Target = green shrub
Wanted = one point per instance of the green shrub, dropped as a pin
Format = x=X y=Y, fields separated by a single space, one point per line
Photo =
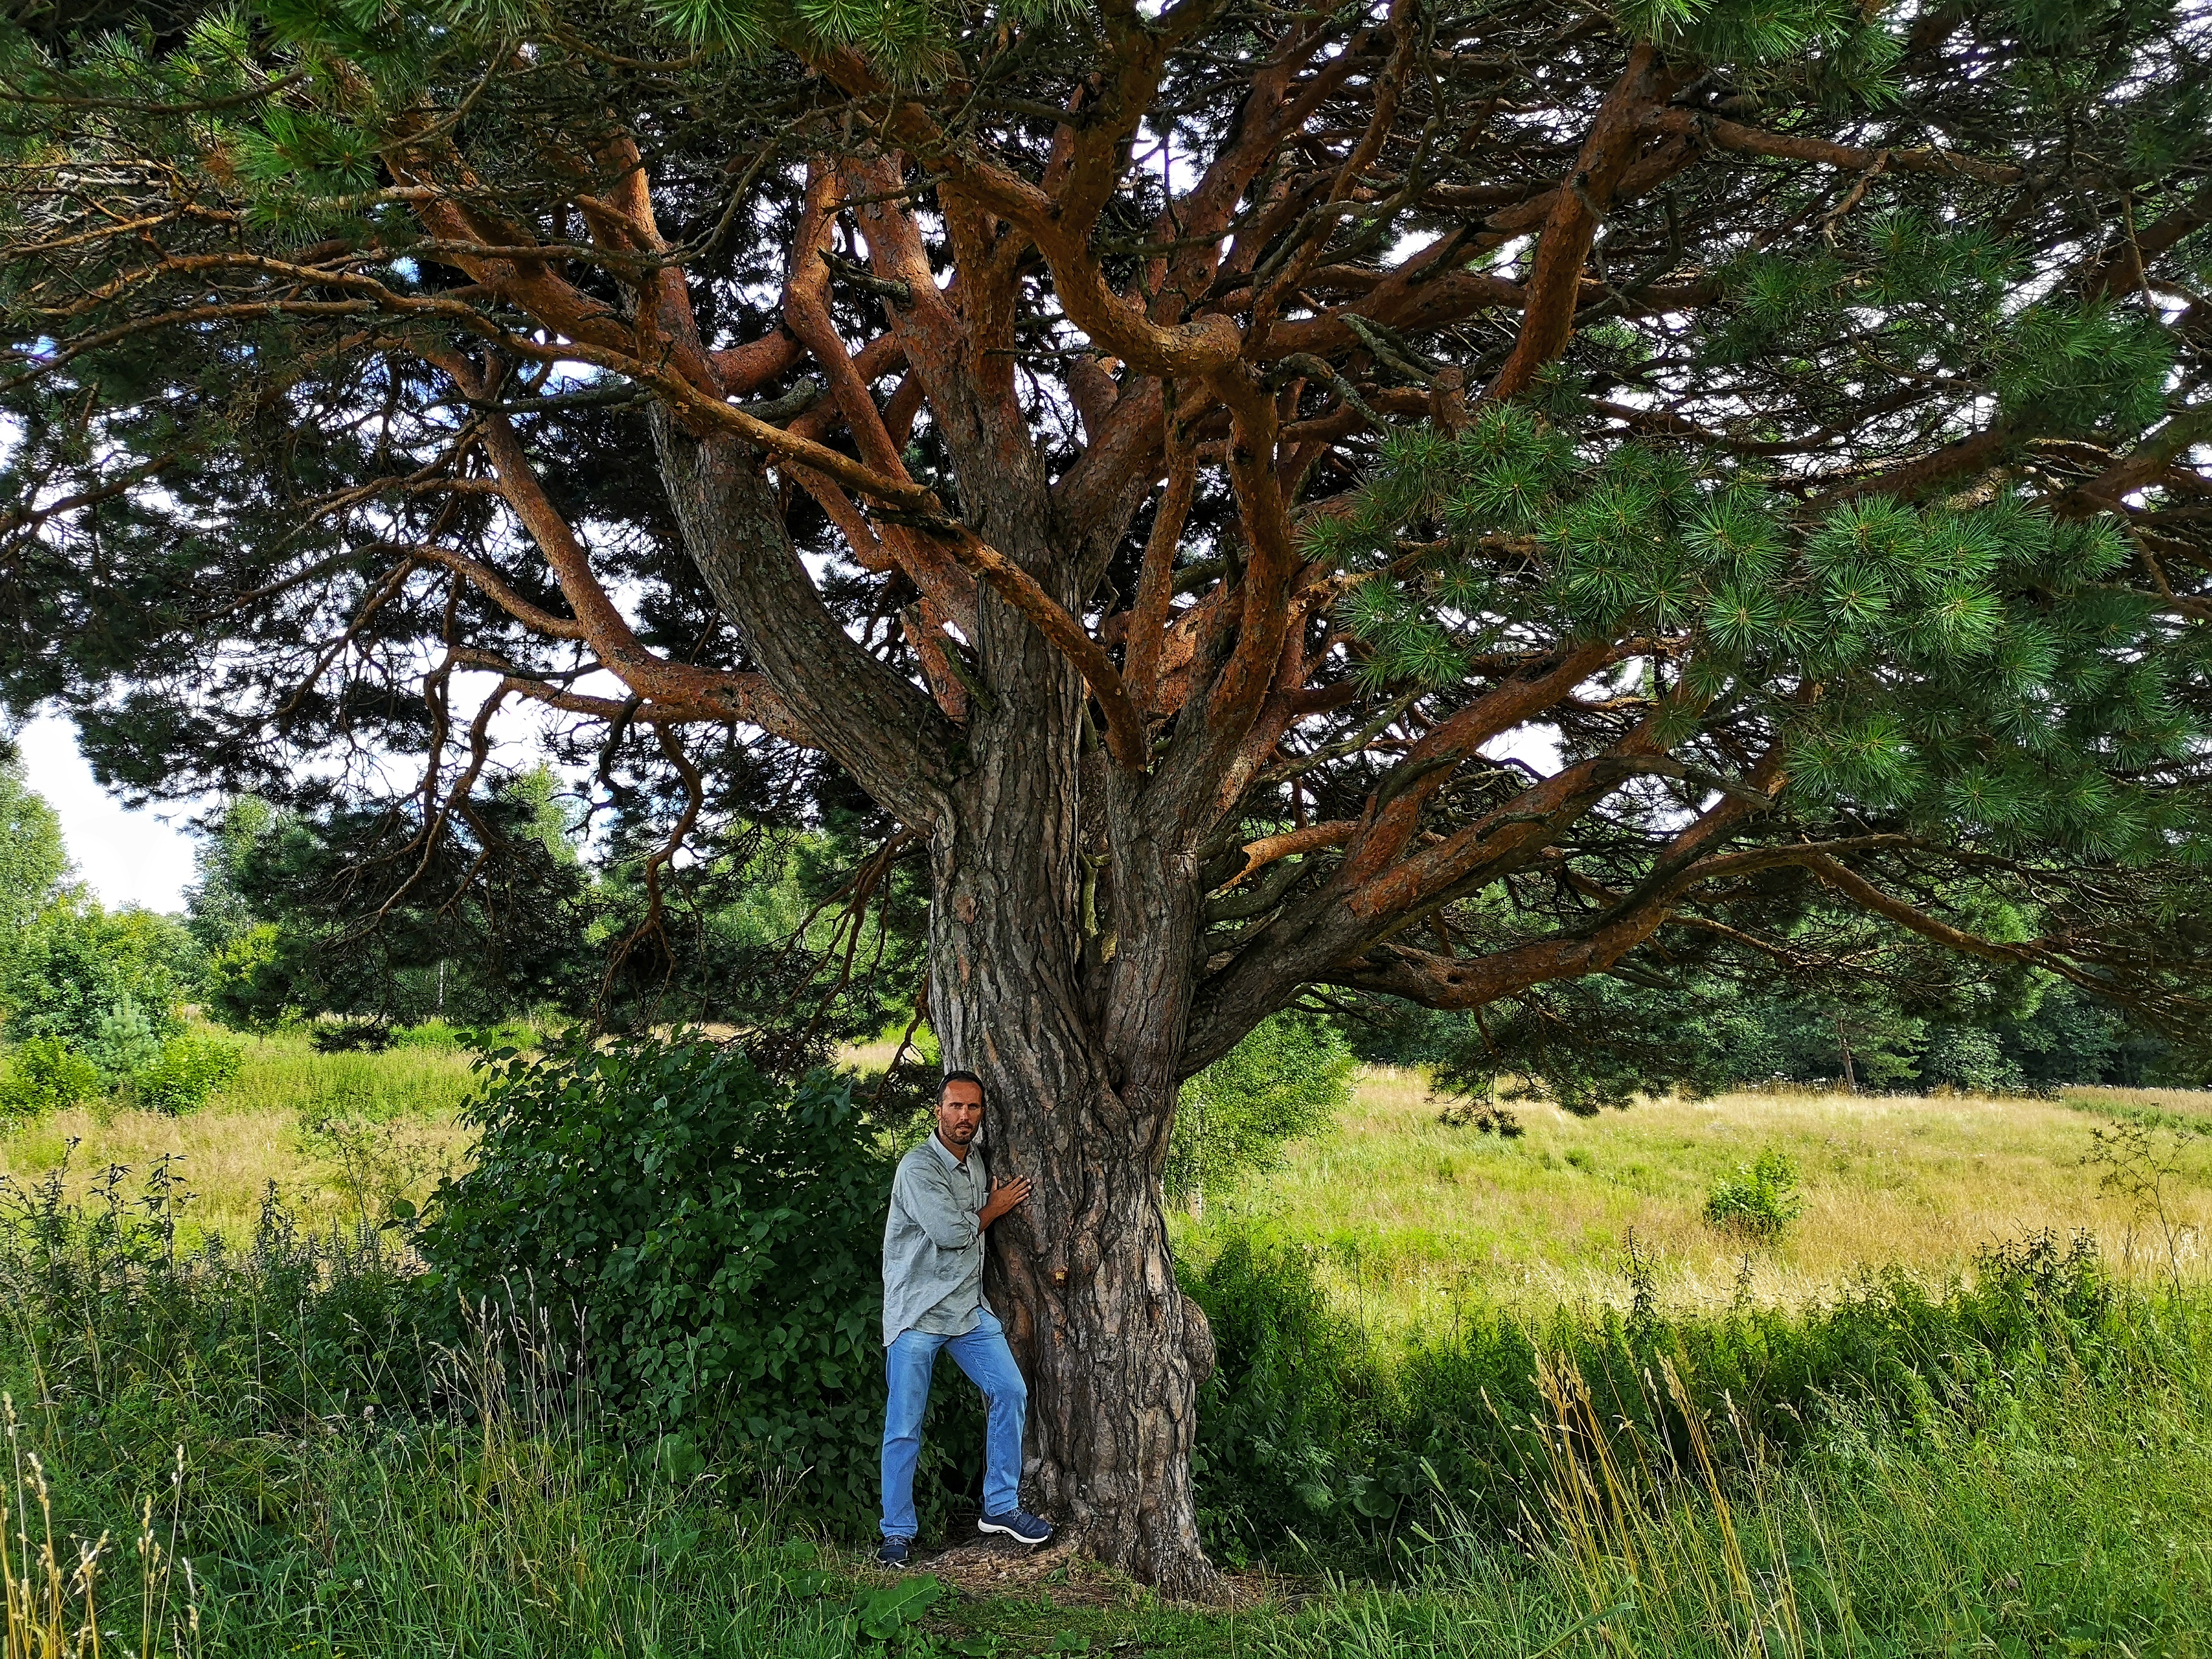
x=78 y=965
x=1290 y=1419
x=1289 y=1077
x=243 y=984
x=45 y=1074
x=189 y=1070
x=720 y=1236
x=1307 y=1431
x=125 y=1042
x=1760 y=1198
x=1968 y=1058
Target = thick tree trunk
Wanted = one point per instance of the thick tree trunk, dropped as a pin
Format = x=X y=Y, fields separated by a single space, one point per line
x=1079 y=1098
x=1080 y=1079
x=1113 y=1353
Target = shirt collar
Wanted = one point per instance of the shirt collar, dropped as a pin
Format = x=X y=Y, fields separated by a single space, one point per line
x=946 y=1152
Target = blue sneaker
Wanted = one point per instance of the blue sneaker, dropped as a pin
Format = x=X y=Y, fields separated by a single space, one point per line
x=893 y=1551
x=1019 y=1525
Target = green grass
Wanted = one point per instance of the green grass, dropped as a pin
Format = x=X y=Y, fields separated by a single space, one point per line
x=425 y=1541
x=2076 y=1521
x=2068 y=1515
x=350 y=1487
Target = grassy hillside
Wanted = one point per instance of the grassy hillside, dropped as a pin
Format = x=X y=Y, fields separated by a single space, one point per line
x=1410 y=1216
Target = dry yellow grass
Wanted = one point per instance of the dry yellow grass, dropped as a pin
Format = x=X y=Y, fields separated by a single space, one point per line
x=1408 y=1215
x=338 y=1134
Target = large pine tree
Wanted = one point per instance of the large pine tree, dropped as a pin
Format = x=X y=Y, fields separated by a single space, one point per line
x=1436 y=498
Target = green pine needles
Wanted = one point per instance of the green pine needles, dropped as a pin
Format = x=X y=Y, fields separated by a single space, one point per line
x=1969 y=662
x=1788 y=418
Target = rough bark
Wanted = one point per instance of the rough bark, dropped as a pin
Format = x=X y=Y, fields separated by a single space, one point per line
x=1080 y=1086
x=1080 y=1095
x=1114 y=1353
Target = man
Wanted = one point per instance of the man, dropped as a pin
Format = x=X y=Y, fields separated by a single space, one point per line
x=941 y=1206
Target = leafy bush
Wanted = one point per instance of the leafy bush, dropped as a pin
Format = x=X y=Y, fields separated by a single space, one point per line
x=33 y=862
x=1968 y=1058
x=189 y=1070
x=718 y=1235
x=45 y=1074
x=1760 y=1198
x=48 y=1074
x=1288 y=1077
x=77 y=965
x=1284 y=1425
x=243 y=984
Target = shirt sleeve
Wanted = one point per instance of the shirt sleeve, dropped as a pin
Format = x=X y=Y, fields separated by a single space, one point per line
x=926 y=1195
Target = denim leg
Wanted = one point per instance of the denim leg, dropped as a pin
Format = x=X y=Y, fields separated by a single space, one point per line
x=989 y=1363
x=907 y=1365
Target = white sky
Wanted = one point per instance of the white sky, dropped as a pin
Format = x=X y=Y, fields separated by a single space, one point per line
x=127 y=857
x=145 y=857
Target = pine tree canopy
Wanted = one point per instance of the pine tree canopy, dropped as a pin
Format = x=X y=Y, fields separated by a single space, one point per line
x=1468 y=494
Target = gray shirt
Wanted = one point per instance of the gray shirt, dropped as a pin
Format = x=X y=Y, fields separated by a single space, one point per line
x=934 y=1243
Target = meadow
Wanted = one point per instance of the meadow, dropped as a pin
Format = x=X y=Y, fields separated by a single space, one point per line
x=338 y=1136
x=1407 y=1217
x=1478 y=1396
x=1410 y=1218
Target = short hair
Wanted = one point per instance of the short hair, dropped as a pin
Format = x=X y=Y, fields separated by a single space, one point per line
x=951 y=1077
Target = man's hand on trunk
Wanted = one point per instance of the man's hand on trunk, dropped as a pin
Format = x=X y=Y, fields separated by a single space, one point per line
x=1005 y=1195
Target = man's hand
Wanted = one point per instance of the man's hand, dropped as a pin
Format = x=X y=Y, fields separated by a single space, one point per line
x=1005 y=1195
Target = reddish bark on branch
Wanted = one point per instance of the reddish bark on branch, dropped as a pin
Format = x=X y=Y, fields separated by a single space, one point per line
x=1547 y=322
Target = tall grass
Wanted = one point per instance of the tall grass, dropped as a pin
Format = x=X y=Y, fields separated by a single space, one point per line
x=506 y=1523
x=263 y=1444
x=341 y=1135
x=496 y=1530
x=1321 y=1446
x=1412 y=1219
x=2078 y=1520
x=51 y=1596
x=332 y=1479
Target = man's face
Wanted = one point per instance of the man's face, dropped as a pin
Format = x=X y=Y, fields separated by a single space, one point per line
x=959 y=1113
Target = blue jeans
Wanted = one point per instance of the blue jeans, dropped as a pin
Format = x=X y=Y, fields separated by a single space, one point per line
x=989 y=1363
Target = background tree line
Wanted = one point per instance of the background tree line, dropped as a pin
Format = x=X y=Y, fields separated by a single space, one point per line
x=801 y=939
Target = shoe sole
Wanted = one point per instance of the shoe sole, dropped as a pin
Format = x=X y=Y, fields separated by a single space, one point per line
x=1008 y=1532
